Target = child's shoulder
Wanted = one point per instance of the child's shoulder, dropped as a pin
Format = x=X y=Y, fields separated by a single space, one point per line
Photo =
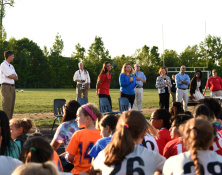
x=87 y=131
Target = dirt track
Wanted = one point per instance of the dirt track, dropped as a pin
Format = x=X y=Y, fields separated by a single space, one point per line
x=51 y=115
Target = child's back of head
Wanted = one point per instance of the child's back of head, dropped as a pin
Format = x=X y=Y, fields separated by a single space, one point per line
x=47 y=168
x=36 y=149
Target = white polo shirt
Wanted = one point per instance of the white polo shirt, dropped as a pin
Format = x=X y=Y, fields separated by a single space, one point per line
x=81 y=75
x=6 y=69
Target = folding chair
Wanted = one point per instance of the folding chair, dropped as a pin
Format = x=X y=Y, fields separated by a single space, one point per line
x=58 y=112
x=123 y=104
x=82 y=101
x=105 y=107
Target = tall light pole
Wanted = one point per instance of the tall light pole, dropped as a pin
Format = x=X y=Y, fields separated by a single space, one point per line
x=2 y=14
x=163 y=47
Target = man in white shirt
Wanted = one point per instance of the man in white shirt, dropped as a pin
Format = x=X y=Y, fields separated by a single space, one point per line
x=8 y=77
x=82 y=78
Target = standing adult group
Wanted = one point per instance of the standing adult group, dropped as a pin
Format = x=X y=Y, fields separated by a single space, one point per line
x=131 y=83
x=181 y=86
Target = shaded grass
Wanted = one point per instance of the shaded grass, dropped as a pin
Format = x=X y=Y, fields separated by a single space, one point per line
x=44 y=122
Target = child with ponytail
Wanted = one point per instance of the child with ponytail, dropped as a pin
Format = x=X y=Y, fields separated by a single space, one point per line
x=198 y=135
x=83 y=140
x=124 y=155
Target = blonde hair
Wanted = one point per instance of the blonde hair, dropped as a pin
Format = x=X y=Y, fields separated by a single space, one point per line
x=124 y=71
x=95 y=110
x=47 y=168
x=197 y=137
x=25 y=123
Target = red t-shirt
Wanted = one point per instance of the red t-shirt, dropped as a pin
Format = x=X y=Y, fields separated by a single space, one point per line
x=174 y=147
x=217 y=145
x=105 y=84
x=214 y=83
x=164 y=137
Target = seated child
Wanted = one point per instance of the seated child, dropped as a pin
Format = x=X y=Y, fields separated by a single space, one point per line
x=83 y=140
x=176 y=146
x=160 y=119
x=107 y=127
x=20 y=129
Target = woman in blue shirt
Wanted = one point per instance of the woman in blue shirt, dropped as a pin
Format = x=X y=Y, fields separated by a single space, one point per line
x=127 y=83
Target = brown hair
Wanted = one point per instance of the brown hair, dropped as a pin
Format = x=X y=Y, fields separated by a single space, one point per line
x=36 y=149
x=161 y=69
x=124 y=71
x=197 y=137
x=7 y=54
x=94 y=109
x=71 y=108
x=110 y=120
x=130 y=126
x=25 y=123
x=176 y=109
x=47 y=168
x=104 y=69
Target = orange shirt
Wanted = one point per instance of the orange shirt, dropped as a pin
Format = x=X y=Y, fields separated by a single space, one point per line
x=57 y=161
x=80 y=144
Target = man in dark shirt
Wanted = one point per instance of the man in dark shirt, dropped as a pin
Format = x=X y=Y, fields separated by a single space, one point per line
x=173 y=89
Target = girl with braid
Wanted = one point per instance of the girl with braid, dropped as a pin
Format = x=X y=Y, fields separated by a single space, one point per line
x=198 y=135
x=124 y=155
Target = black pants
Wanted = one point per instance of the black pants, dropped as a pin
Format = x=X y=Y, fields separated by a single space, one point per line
x=131 y=98
x=106 y=96
x=164 y=101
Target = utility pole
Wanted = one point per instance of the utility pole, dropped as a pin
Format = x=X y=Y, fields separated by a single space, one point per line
x=163 y=47
x=2 y=14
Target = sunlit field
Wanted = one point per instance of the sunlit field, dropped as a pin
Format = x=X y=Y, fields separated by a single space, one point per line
x=41 y=100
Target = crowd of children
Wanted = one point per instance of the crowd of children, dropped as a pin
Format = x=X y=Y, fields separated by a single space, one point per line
x=168 y=143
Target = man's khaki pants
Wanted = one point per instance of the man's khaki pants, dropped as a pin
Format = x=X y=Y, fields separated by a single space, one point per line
x=79 y=91
x=138 y=99
x=8 y=99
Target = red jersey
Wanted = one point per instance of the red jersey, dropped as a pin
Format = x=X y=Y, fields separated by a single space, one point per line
x=105 y=84
x=80 y=144
x=217 y=145
x=214 y=83
x=174 y=147
x=164 y=138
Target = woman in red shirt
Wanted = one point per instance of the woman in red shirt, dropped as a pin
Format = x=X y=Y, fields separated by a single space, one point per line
x=103 y=82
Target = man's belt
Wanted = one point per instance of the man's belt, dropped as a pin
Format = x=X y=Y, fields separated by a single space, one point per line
x=182 y=88
x=8 y=84
x=139 y=87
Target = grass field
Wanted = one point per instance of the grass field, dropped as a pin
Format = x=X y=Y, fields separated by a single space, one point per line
x=41 y=100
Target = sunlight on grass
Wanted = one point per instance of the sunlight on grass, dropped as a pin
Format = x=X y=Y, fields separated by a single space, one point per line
x=41 y=100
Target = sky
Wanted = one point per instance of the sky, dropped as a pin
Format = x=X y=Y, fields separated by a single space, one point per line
x=124 y=25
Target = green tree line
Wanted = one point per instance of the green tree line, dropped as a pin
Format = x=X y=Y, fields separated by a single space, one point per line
x=45 y=68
